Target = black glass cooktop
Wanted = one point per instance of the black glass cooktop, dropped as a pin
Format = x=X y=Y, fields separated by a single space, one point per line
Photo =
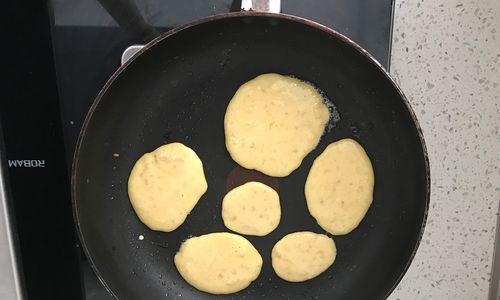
x=65 y=51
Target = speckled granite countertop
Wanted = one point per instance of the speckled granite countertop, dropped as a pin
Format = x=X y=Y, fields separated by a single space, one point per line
x=446 y=58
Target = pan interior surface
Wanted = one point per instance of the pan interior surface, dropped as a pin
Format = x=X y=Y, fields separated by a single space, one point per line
x=178 y=90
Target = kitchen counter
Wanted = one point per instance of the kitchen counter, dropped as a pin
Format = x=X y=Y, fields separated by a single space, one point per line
x=445 y=56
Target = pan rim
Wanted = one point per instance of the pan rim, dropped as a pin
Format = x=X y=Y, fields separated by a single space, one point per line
x=303 y=21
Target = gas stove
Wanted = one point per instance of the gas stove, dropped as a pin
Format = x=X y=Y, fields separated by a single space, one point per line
x=60 y=55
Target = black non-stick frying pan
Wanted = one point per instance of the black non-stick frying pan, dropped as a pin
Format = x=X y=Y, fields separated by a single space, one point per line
x=177 y=89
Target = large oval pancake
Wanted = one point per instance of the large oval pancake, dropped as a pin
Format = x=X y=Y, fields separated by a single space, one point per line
x=339 y=187
x=273 y=122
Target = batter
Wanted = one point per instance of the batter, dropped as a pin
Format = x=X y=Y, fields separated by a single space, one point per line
x=339 y=187
x=165 y=185
x=252 y=208
x=218 y=263
x=273 y=122
x=300 y=256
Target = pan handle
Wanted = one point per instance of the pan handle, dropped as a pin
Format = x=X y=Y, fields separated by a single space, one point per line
x=272 y=6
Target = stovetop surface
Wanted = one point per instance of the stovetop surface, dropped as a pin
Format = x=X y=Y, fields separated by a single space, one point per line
x=81 y=49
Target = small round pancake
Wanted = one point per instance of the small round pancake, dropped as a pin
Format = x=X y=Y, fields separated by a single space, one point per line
x=252 y=208
x=165 y=185
x=273 y=122
x=218 y=263
x=339 y=187
x=300 y=256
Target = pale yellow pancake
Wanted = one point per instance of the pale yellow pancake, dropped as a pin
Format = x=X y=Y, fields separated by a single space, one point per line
x=252 y=208
x=165 y=185
x=300 y=256
x=218 y=263
x=273 y=122
x=339 y=187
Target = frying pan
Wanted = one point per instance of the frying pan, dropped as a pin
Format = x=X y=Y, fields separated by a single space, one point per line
x=177 y=89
